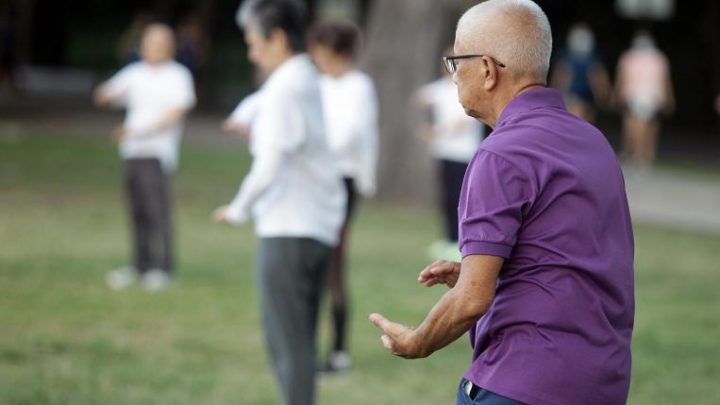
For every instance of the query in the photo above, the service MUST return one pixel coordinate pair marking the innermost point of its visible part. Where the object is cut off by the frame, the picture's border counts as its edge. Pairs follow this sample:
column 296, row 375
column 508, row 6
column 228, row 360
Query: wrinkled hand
column 399, row 340
column 440, row 272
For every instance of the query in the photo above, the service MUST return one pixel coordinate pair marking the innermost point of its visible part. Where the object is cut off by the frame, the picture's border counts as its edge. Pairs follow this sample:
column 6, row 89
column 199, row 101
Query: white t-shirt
column 351, row 106
column 457, row 136
column 150, row 93
column 294, row 188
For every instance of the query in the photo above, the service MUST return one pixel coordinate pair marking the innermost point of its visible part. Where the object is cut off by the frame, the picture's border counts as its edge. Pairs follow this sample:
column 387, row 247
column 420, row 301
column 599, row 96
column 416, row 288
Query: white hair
column 524, row 45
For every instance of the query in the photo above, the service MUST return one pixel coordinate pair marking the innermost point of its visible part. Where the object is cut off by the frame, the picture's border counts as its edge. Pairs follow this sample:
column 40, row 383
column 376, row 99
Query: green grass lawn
column 66, row 339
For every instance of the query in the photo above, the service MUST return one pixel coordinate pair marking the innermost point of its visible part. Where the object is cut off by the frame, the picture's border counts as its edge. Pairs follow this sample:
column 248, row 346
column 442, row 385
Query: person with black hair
column 350, row 106
column 293, row 189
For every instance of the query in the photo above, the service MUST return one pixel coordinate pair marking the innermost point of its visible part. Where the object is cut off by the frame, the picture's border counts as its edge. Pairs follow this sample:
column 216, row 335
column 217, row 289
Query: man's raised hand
column 440, row 272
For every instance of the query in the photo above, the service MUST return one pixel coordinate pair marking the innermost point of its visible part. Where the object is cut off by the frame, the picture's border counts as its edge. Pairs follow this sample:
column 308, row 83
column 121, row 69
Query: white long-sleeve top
column 294, row 188
column 351, row 121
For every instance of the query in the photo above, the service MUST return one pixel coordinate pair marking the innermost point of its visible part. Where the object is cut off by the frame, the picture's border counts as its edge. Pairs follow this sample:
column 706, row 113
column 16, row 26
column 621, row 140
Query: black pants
column 451, row 175
column 339, row 299
column 147, row 191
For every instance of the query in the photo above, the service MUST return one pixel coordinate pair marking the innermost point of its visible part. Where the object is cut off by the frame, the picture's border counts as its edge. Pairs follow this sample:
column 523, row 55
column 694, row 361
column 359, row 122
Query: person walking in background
column 580, row 74
column 545, row 286
column 453, row 138
column 128, row 47
column 350, row 107
column 644, row 91
column 293, row 189
column 157, row 93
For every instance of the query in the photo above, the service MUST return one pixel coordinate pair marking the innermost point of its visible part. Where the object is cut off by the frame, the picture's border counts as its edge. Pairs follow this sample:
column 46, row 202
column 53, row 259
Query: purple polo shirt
column 546, row 193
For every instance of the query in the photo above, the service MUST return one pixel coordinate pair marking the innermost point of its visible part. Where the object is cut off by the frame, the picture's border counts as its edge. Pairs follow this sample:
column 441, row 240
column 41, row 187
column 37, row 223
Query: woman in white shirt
column 453, row 138
column 293, row 191
column 350, row 108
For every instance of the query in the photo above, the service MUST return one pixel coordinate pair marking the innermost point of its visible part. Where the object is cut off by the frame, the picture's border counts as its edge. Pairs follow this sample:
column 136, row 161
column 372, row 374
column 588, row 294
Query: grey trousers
column 291, row 278
column 148, row 197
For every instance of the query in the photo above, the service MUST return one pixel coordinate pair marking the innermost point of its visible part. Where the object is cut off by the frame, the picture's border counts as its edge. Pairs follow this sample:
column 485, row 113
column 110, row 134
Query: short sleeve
column 493, row 198
column 185, row 89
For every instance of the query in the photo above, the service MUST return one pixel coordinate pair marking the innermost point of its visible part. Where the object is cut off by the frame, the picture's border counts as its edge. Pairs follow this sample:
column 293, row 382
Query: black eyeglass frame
column 450, row 62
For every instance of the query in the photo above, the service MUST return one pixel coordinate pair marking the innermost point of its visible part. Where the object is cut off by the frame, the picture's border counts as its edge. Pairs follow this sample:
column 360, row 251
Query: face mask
column 581, row 41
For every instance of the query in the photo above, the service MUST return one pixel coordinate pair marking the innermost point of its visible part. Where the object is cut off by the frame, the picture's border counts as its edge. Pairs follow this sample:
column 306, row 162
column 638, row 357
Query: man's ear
column 489, row 73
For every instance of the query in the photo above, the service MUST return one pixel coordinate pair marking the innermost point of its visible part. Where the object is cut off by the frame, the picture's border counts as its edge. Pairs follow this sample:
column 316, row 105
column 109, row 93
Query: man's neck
column 506, row 97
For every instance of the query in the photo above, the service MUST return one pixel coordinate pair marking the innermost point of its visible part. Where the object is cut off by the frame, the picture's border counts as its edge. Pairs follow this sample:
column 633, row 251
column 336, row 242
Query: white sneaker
column 444, row 250
column 156, row 280
column 121, row 279
column 337, row 362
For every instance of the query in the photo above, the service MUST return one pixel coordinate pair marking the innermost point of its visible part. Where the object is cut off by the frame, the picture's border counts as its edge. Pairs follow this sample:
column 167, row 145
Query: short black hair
column 342, row 38
column 266, row 15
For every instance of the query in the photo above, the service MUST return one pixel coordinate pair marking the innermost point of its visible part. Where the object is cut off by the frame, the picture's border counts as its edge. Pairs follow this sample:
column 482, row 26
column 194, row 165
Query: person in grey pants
column 294, row 191
column 157, row 93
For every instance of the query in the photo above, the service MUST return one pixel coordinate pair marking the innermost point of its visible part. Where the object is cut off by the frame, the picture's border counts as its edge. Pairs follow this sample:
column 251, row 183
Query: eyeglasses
column 451, row 61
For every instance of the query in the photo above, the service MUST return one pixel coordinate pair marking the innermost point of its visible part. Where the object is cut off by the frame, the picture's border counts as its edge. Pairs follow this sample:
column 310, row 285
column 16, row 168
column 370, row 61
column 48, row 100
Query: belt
column 470, row 389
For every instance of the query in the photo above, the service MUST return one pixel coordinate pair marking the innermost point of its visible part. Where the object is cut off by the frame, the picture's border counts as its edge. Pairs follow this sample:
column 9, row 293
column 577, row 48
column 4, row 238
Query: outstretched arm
column 452, row 316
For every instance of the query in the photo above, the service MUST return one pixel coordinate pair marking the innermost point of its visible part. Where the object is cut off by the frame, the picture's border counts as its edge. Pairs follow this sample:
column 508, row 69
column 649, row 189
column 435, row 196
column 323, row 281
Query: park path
column 678, row 200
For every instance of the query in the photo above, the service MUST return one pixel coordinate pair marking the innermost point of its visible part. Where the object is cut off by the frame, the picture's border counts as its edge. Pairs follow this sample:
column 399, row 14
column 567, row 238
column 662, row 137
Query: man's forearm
column 449, row 319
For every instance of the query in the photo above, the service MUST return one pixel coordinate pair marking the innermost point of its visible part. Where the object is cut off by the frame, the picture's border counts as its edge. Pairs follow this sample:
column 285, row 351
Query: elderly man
column 545, row 286
column 294, row 190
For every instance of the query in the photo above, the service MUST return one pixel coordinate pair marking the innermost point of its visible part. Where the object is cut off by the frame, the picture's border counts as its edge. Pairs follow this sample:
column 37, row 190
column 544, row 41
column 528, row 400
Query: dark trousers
column 147, row 189
column 291, row 277
column 339, row 300
column 451, row 174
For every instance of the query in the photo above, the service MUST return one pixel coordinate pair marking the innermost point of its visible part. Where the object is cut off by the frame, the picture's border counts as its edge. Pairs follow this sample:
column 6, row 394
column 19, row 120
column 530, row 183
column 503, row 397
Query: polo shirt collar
column 539, row 97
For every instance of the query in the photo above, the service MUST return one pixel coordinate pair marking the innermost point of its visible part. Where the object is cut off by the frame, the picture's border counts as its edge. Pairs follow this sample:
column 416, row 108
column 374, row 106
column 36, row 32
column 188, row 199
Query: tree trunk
column 404, row 39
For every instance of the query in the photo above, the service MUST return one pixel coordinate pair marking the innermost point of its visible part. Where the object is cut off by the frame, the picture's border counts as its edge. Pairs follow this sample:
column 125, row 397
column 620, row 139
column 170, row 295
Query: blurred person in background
column 193, row 44
column 644, row 92
column 128, row 48
column 294, row 191
column 351, row 112
column 580, row 74
column 157, row 93
column 453, row 138
column 545, row 286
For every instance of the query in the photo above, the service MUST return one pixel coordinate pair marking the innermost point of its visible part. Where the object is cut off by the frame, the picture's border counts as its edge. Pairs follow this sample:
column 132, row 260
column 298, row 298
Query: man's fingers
column 437, row 273
column 378, row 320
column 390, row 328
column 387, row 342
